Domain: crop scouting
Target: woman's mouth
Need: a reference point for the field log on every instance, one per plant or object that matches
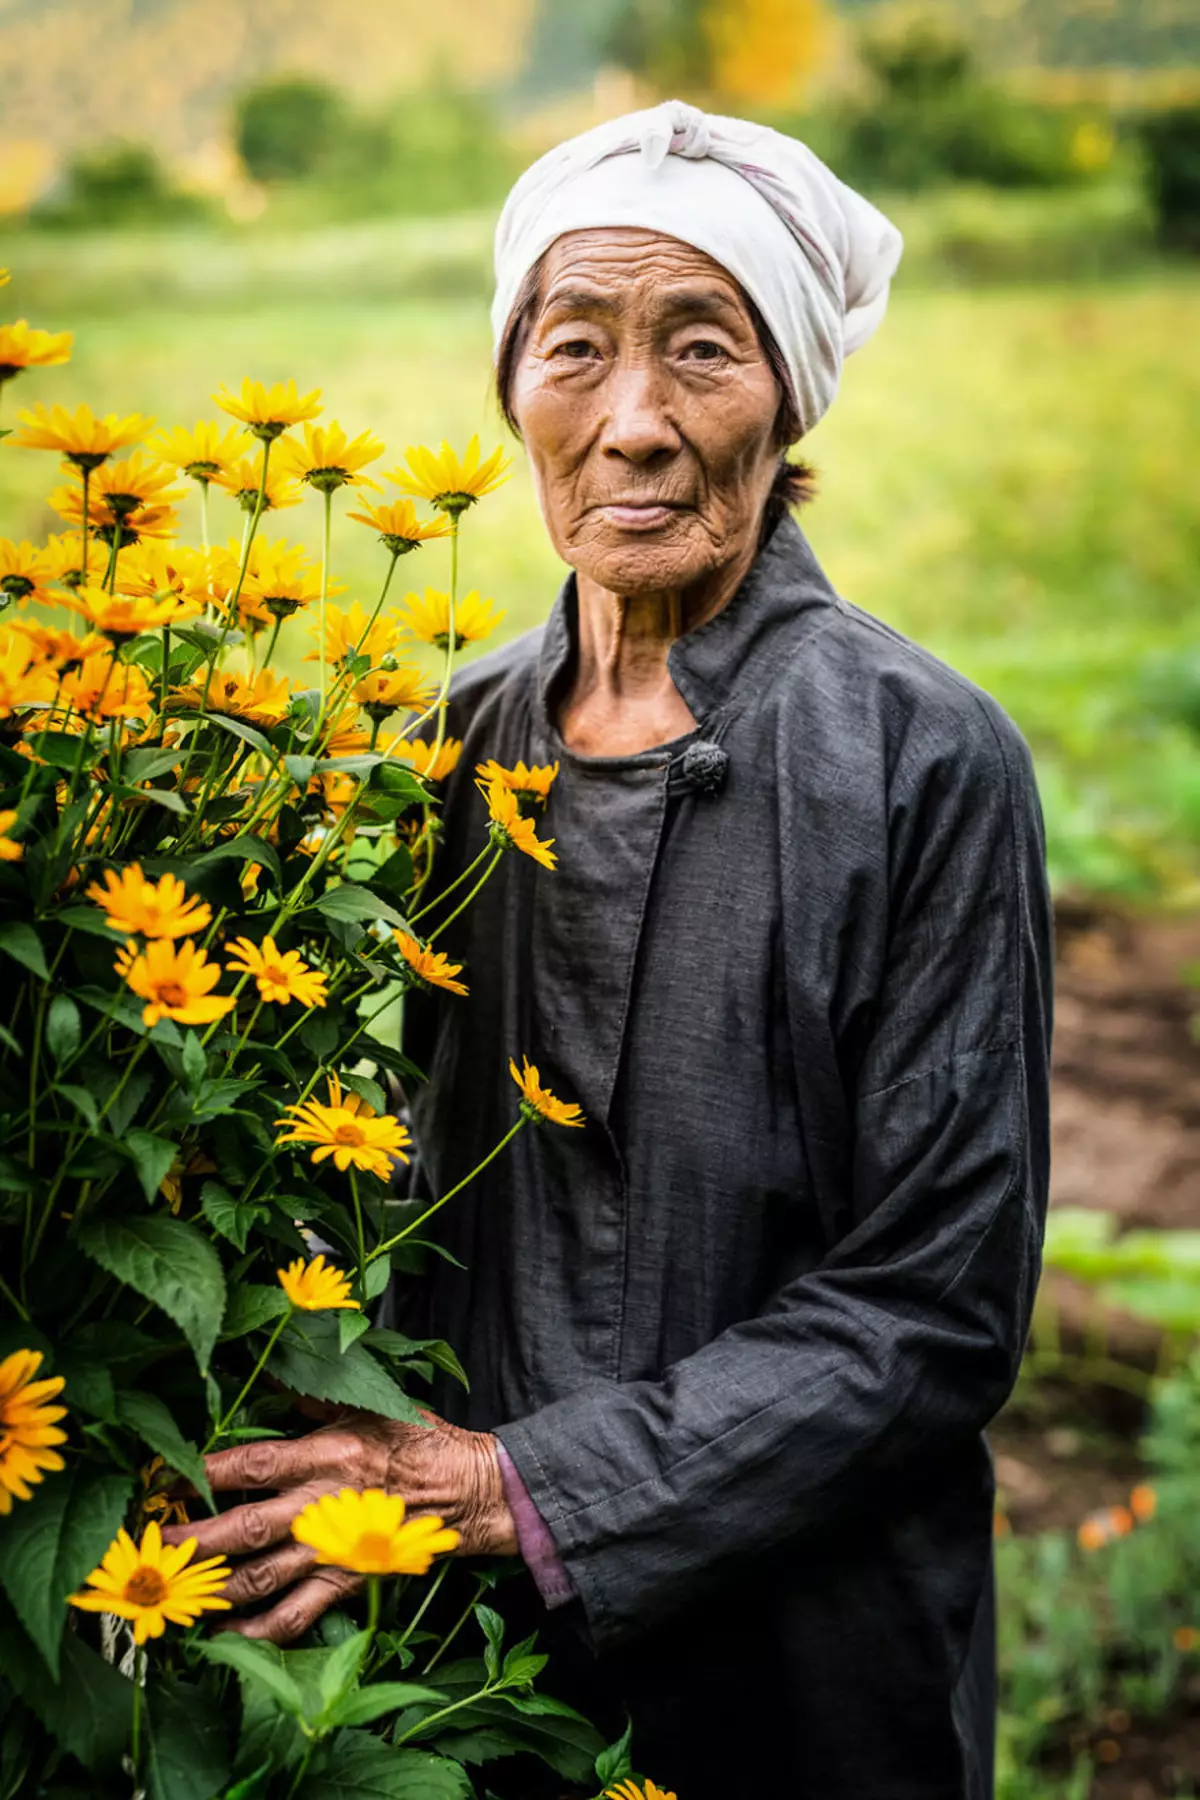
(639, 515)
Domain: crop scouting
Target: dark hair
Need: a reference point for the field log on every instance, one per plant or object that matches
(795, 482)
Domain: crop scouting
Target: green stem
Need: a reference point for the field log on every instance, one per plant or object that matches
(86, 473)
(12, 1298)
(231, 602)
(435, 1584)
(204, 518)
(456, 883)
(446, 1642)
(373, 1599)
(219, 1428)
(463, 904)
(166, 670)
(359, 1232)
(241, 1043)
(390, 1243)
(324, 585)
(135, 1733)
(272, 641)
(342, 679)
(444, 1712)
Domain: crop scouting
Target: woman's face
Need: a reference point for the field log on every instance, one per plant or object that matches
(648, 410)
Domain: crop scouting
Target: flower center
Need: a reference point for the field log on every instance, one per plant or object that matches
(170, 993)
(145, 1587)
(350, 1133)
(272, 972)
(373, 1547)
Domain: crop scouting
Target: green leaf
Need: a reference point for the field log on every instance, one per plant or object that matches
(368, 1703)
(351, 902)
(613, 1763)
(51, 1543)
(63, 1029)
(22, 943)
(247, 733)
(241, 849)
(259, 1662)
(492, 1626)
(89, 1711)
(58, 748)
(340, 1667)
(89, 919)
(81, 1100)
(351, 1326)
(151, 1156)
(369, 1090)
(89, 1384)
(377, 1277)
(166, 798)
(300, 768)
(232, 1218)
(436, 1350)
(9, 1041)
(186, 1755)
(168, 1262)
(396, 873)
(147, 1415)
(307, 1360)
(143, 765)
(363, 1768)
(251, 1307)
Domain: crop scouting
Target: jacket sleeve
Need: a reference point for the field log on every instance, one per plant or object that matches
(907, 1336)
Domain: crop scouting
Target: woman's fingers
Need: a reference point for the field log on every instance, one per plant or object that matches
(353, 1455)
(243, 1530)
(264, 1575)
(300, 1609)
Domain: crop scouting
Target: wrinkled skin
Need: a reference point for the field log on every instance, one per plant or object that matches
(651, 418)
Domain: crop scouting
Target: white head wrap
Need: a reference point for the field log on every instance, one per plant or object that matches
(815, 257)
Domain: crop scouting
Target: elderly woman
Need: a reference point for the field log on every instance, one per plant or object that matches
(733, 1345)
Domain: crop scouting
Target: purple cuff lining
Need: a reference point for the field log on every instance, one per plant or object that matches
(533, 1537)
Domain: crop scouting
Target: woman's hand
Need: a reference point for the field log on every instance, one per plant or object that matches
(438, 1469)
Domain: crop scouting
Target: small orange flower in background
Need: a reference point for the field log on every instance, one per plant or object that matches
(204, 452)
(281, 975)
(365, 1530)
(266, 411)
(120, 616)
(328, 459)
(450, 482)
(347, 1129)
(399, 527)
(1001, 1526)
(433, 761)
(82, 437)
(538, 1104)
(10, 850)
(243, 480)
(139, 907)
(428, 618)
(28, 1426)
(23, 347)
(175, 981)
(152, 1584)
(1186, 1638)
(532, 783)
(27, 573)
(428, 968)
(386, 691)
(510, 830)
(316, 1286)
(1100, 1528)
(1143, 1503)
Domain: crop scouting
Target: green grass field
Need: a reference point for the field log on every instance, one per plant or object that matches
(1009, 474)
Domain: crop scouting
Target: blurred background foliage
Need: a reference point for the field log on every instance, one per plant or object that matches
(203, 189)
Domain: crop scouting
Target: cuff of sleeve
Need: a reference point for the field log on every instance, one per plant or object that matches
(534, 1540)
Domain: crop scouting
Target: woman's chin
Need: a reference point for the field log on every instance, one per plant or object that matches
(645, 564)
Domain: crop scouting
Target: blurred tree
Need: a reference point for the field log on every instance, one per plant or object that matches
(114, 184)
(285, 130)
(1172, 142)
(663, 41)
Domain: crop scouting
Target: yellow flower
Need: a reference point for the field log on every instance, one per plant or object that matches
(348, 1130)
(10, 850)
(366, 1531)
(28, 1426)
(316, 1286)
(139, 907)
(452, 485)
(175, 981)
(155, 1499)
(263, 701)
(629, 1790)
(20, 684)
(26, 573)
(328, 459)
(398, 526)
(281, 975)
(345, 735)
(66, 551)
(428, 968)
(509, 830)
(83, 438)
(243, 480)
(532, 783)
(155, 568)
(385, 691)
(354, 633)
(21, 347)
(5, 277)
(153, 1583)
(267, 411)
(279, 579)
(121, 616)
(429, 618)
(135, 497)
(432, 761)
(203, 453)
(539, 1103)
(102, 688)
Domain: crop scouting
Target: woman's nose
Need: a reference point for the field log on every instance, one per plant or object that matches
(639, 426)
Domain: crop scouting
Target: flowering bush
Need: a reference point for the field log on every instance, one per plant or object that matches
(214, 884)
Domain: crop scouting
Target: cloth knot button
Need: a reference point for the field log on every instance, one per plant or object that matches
(704, 767)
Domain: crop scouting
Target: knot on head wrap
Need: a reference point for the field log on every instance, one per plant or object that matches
(815, 257)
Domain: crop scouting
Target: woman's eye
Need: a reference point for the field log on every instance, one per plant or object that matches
(704, 350)
(575, 349)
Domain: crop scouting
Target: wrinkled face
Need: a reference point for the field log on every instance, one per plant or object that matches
(648, 409)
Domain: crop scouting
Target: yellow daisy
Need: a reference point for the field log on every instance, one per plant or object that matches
(152, 1584)
(328, 459)
(347, 1129)
(354, 633)
(243, 480)
(21, 347)
(316, 1286)
(428, 968)
(155, 569)
(10, 850)
(433, 761)
(28, 1426)
(366, 1531)
(121, 616)
(82, 437)
(175, 981)
(629, 1790)
(5, 277)
(281, 975)
(204, 452)
(28, 574)
(398, 526)
(385, 691)
(279, 578)
(263, 701)
(344, 734)
(139, 907)
(102, 688)
(266, 411)
(428, 618)
(532, 783)
(537, 1102)
(509, 830)
(451, 483)
(135, 497)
